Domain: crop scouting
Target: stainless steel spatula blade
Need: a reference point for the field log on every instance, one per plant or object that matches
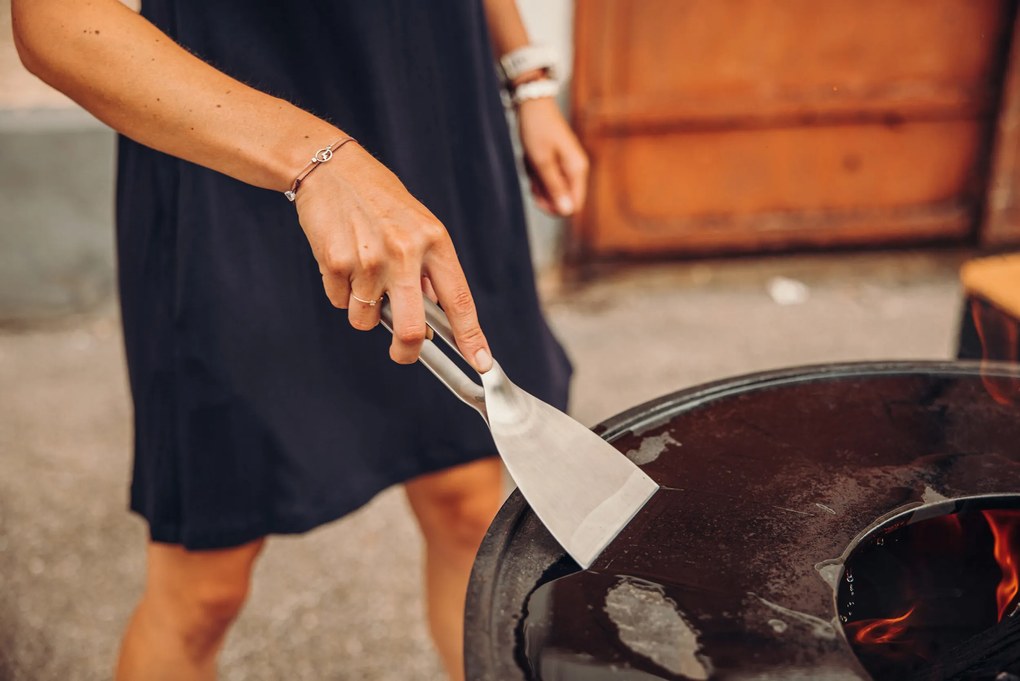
(581, 488)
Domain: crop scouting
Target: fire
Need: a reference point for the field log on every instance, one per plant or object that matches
(999, 338)
(1004, 525)
(873, 632)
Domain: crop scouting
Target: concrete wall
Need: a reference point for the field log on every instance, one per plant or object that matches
(56, 225)
(56, 186)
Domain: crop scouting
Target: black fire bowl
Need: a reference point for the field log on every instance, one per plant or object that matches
(773, 480)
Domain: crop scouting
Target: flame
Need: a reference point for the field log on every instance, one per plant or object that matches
(999, 337)
(873, 632)
(1004, 525)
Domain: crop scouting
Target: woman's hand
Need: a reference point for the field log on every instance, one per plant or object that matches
(371, 237)
(553, 158)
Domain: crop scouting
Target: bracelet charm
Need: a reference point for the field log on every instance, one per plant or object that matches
(320, 157)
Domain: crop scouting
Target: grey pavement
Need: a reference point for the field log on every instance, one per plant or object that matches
(344, 601)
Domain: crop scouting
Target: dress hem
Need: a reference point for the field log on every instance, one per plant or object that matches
(209, 539)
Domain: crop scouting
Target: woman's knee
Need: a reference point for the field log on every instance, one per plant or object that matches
(215, 603)
(455, 507)
(198, 594)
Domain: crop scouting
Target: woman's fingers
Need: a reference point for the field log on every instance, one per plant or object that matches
(428, 289)
(554, 182)
(363, 308)
(567, 176)
(574, 163)
(542, 200)
(455, 297)
(408, 319)
(338, 290)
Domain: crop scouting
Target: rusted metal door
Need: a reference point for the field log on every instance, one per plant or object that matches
(743, 125)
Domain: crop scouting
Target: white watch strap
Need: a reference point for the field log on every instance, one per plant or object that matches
(528, 58)
(536, 89)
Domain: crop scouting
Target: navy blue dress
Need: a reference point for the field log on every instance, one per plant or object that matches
(258, 409)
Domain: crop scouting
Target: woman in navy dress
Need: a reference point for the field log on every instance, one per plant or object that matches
(258, 409)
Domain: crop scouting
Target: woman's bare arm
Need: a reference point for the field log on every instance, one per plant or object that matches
(554, 159)
(138, 81)
(368, 234)
(505, 26)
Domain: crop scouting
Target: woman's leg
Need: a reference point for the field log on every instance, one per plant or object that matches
(454, 508)
(189, 602)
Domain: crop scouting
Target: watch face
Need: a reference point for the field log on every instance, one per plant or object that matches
(527, 58)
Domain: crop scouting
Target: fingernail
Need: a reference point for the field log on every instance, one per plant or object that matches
(483, 360)
(565, 205)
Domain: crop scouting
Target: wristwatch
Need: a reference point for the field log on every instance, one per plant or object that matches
(528, 58)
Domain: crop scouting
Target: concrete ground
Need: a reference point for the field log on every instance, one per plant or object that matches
(344, 602)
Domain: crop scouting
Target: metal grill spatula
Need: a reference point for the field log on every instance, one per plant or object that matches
(581, 488)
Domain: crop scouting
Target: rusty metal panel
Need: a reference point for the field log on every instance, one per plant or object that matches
(719, 125)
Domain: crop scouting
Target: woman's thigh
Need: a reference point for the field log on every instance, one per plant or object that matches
(455, 506)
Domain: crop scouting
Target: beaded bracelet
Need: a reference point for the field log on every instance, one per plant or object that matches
(320, 157)
(534, 89)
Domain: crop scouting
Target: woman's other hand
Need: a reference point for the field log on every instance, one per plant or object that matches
(371, 237)
(555, 161)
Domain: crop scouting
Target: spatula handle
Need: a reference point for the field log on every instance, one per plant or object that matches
(440, 323)
(437, 361)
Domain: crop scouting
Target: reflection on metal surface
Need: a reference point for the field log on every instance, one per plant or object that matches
(652, 625)
(1000, 340)
(651, 448)
(819, 627)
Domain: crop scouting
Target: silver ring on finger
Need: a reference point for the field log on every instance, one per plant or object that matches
(369, 302)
